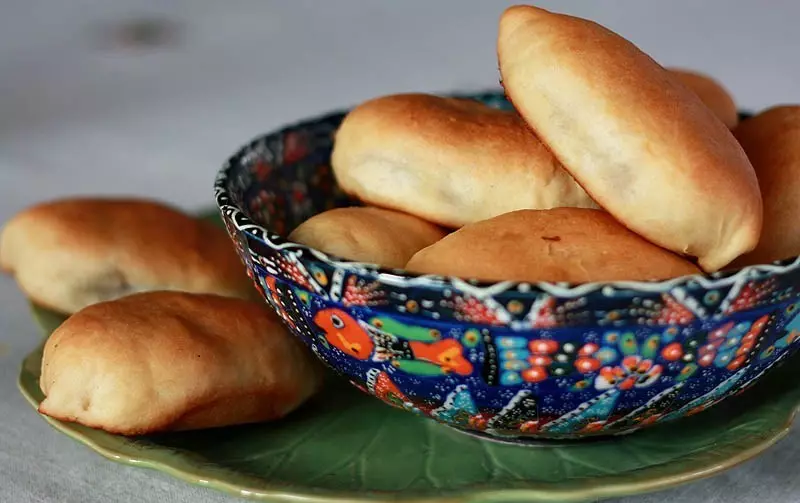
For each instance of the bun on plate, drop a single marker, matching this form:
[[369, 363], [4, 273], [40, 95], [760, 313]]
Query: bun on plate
[[71, 253], [162, 361]]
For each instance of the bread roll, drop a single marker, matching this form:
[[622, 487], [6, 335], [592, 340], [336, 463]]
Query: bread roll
[[772, 141], [449, 161], [640, 142], [365, 234], [71, 253], [712, 93], [575, 245], [162, 361]]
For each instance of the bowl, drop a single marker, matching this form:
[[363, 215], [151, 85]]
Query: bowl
[[504, 360]]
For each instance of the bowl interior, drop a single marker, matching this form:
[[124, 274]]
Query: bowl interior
[[284, 179]]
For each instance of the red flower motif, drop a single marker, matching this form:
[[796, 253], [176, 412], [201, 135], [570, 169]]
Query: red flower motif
[[752, 293], [357, 293], [635, 372], [673, 312], [262, 170], [294, 147], [586, 363], [730, 345], [672, 352], [540, 358], [472, 310], [543, 315], [293, 271], [479, 421]]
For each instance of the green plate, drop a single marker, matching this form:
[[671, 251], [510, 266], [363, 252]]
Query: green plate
[[346, 446]]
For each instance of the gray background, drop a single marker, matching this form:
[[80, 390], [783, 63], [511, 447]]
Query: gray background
[[82, 112]]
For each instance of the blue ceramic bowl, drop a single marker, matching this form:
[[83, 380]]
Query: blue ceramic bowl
[[509, 360]]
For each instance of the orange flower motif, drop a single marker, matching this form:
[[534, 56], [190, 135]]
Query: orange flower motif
[[634, 372]]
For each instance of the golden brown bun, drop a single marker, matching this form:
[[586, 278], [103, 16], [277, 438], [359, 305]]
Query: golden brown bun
[[161, 361], [772, 141], [364, 234], [449, 161], [712, 93], [640, 142], [71, 253], [575, 245]]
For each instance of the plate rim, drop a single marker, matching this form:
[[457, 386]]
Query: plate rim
[[589, 489]]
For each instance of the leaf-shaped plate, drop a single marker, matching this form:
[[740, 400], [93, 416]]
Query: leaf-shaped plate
[[346, 446]]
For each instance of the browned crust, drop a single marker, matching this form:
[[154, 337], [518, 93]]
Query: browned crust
[[772, 142], [164, 361], [574, 245], [149, 244], [450, 161], [368, 234], [631, 134], [712, 93]]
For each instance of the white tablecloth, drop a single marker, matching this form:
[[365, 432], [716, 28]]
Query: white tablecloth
[[80, 112]]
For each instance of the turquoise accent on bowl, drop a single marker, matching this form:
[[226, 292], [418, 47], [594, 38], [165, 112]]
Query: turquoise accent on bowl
[[506, 360]]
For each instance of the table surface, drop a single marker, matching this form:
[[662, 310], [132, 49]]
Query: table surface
[[88, 106]]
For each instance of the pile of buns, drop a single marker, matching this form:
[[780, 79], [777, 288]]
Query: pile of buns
[[609, 168], [164, 329]]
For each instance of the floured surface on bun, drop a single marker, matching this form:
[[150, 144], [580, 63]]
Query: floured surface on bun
[[772, 142], [712, 93], [642, 144], [366, 234], [71, 253], [450, 161], [575, 245], [163, 361]]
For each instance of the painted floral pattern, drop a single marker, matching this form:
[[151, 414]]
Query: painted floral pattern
[[632, 372], [508, 359]]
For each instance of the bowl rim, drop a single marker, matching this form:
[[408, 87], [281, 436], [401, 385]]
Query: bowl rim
[[242, 222]]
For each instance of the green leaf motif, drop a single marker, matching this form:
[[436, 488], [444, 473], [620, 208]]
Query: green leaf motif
[[408, 332], [628, 344], [650, 346], [418, 367]]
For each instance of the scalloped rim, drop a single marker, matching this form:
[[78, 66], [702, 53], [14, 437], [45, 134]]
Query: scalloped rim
[[703, 466], [399, 277]]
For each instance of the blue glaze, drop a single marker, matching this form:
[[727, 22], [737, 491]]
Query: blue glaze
[[506, 359]]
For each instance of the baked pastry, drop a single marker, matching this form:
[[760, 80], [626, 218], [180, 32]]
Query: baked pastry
[[71, 253], [161, 361], [641, 143], [772, 142], [366, 234], [450, 161], [574, 245], [712, 93]]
